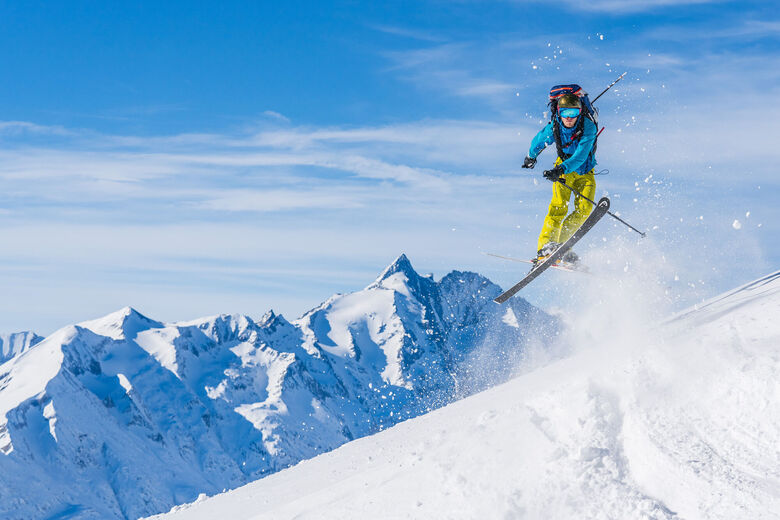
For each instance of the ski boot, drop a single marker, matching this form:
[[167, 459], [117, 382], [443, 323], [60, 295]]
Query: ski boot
[[546, 250]]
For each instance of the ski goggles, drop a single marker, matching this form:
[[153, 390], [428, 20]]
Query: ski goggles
[[569, 112]]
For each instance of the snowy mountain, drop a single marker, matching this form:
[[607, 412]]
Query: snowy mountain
[[16, 343], [125, 416], [642, 421]]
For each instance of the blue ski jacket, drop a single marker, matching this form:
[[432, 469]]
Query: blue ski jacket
[[581, 160]]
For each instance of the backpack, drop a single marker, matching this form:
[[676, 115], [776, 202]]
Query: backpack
[[588, 111]]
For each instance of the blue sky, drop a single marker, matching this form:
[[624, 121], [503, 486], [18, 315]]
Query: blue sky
[[192, 158]]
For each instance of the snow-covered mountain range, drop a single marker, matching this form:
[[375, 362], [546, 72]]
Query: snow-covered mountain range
[[644, 420], [125, 416]]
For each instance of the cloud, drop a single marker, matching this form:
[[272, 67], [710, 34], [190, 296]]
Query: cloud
[[449, 68], [24, 127], [405, 32], [634, 6], [280, 169], [265, 201], [742, 30], [276, 115]]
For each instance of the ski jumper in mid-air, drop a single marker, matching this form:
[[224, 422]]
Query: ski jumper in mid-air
[[574, 133], [573, 127]]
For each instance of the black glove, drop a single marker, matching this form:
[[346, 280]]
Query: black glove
[[554, 174], [529, 163]]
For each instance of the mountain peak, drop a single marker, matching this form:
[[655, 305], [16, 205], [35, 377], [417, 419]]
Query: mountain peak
[[122, 324], [400, 265], [272, 320]]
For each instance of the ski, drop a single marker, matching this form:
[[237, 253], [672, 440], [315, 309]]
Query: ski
[[569, 268], [599, 211]]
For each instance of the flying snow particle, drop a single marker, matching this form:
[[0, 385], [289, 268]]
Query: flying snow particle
[[601, 36], [747, 215], [534, 67], [736, 224]]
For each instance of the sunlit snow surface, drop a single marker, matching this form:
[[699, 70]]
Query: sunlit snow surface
[[660, 421]]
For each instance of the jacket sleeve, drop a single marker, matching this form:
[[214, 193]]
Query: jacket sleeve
[[584, 148], [541, 140]]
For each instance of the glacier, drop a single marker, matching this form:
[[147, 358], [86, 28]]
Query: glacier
[[125, 416]]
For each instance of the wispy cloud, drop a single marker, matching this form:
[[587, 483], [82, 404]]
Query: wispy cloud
[[634, 6], [411, 33], [329, 168], [267, 201], [276, 115], [20, 127], [449, 68]]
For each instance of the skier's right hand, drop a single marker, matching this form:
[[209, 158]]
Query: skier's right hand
[[529, 163], [554, 174]]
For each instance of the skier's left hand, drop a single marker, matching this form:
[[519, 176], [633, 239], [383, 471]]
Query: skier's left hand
[[554, 174], [528, 162]]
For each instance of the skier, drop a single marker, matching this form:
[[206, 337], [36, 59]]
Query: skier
[[574, 135]]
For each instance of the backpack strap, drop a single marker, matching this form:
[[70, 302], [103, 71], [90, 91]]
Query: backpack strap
[[559, 144]]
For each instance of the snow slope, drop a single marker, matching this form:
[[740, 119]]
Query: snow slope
[[680, 420], [126, 416]]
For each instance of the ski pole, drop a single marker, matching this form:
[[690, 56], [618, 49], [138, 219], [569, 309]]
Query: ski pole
[[609, 87], [609, 212]]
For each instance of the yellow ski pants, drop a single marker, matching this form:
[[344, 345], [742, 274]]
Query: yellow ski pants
[[555, 227]]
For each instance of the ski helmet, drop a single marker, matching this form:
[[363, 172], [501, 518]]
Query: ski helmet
[[569, 101]]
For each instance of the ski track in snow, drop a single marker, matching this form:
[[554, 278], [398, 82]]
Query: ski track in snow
[[678, 422]]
